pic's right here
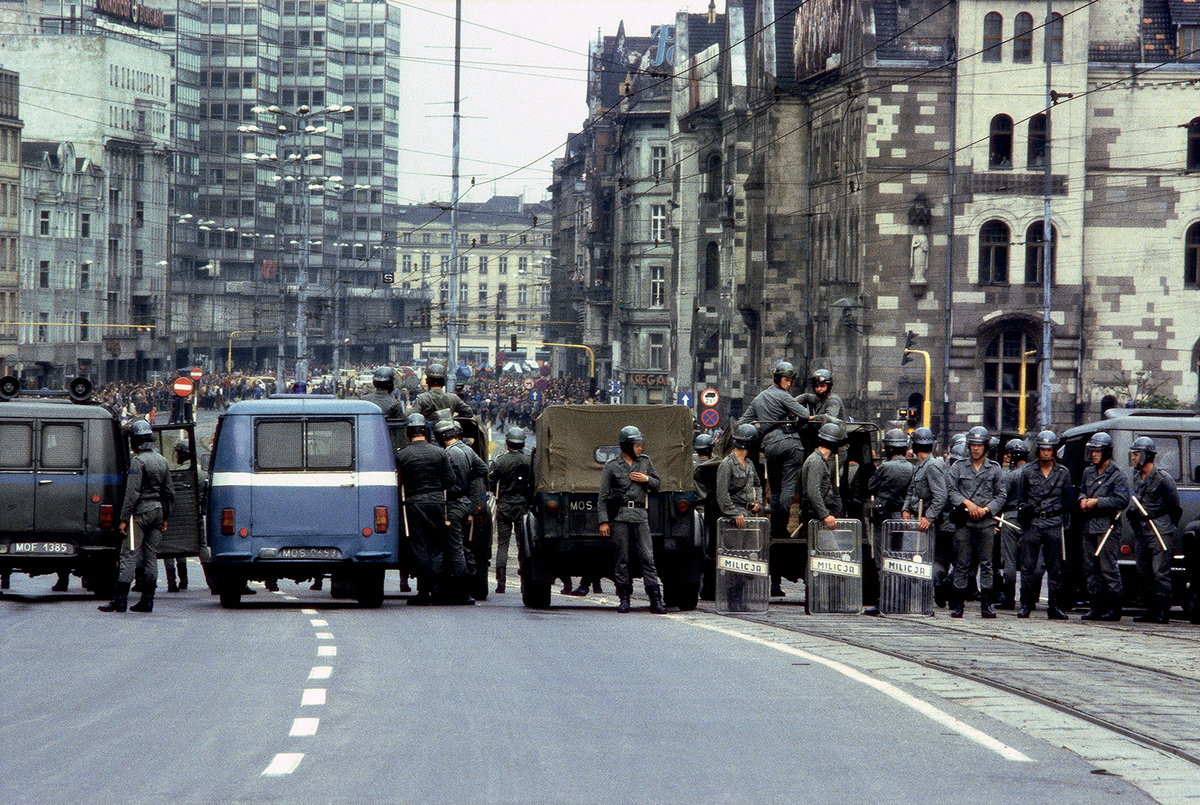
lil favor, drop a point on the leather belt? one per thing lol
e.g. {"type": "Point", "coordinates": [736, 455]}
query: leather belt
{"type": "Point", "coordinates": [633, 504]}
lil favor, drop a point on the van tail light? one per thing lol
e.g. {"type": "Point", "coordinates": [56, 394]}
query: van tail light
{"type": "Point", "coordinates": [682, 505]}
{"type": "Point", "coordinates": [227, 522]}
{"type": "Point", "coordinates": [1126, 550]}
{"type": "Point", "coordinates": [106, 515]}
{"type": "Point", "coordinates": [381, 519]}
{"type": "Point", "coordinates": [552, 506]}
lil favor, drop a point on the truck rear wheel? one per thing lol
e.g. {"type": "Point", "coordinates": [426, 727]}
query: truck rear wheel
{"type": "Point", "coordinates": [368, 588]}
{"type": "Point", "coordinates": [535, 594]}
{"type": "Point", "coordinates": [229, 588]}
{"type": "Point", "coordinates": [682, 594]}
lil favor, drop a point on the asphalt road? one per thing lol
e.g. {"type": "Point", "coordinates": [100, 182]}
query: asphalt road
{"type": "Point", "coordinates": [301, 698]}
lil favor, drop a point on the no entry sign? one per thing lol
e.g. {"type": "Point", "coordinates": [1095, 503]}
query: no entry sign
{"type": "Point", "coordinates": [183, 386]}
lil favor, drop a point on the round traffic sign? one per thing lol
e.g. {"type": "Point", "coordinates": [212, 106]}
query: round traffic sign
{"type": "Point", "coordinates": [196, 373]}
{"type": "Point", "coordinates": [710, 398]}
{"type": "Point", "coordinates": [183, 386]}
{"type": "Point", "coordinates": [541, 383]}
{"type": "Point", "coordinates": [544, 369]}
{"type": "Point", "coordinates": [527, 383]}
{"type": "Point", "coordinates": [709, 418]}
{"type": "Point", "coordinates": [501, 356]}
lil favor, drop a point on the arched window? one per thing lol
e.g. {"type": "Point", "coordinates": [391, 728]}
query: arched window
{"type": "Point", "coordinates": [993, 35]}
{"type": "Point", "coordinates": [1191, 257]}
{"type": "Point", "coordinates": [1054, 38]}
{"type": "Point", "coordinates": [1002, 359]}
{"type": "Point", "coordinates": [1035, 249]}
{"type": "Point", "coordinates": [712, 177]}
{"type": "Point", "coordinates": [1193, 144]}
{"type": "Point", "coordinates": [712, 266]}
{"type": "Point", "coordinates": [1039, 148]}
{"type": "Point", "coordinates": [1023, 38]}
{"type": "Point", "coordinates": [993, 253]}
{"type": "Point", "coordinates": [1000, 140]}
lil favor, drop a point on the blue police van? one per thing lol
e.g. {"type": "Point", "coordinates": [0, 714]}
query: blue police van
{"type": "Point", "coordinates": [303, 486]}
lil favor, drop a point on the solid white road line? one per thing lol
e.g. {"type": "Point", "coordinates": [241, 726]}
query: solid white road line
{"type": "Point", "coordinates": [305, 726]}
{"type": "Point", "coordinates": [922, 707]}
{"type": "Point", "coordinates": [320, 672]}
{"type": "Point", "coordinates": [283, 763]}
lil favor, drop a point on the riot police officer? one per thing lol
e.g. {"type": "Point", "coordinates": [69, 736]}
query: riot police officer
{"type": "Point", "coordinates": [1154, 531]}
{"type": "Point", "coordinates": [435, 403]}
{"type": "Point", "coordinates": [1043, 497]}
{"type": "Point", "coordinates": [924, 503]}
{"type": "Point", "coordinates": [775, 412]}
{"type": "Point", "coordinates": [821, 490]}
{"type": "Point", "coordinates": [144, 514]}
{"type": "Point", "coordinates": [976, 491]}
{"type": "Point", "coordinates": [739, 489]}
{"type": "Point", "coordinates": [511, 479]}
{"type": "Point", "coordinates": [888, 488]}
{"type": "Point", "coordinates": [823, 405]}
{"type": "Point", "coordinates": [425, 475]}
{"type": "Point", "coordinates": [384, 381]}
{"type": "Point", "coordinates": [466, 498]}
{"type": "Point", "coordinates": [1103, 495]}
{"type": "Point", "coordinates": [1004, 555]}
{"type": "Point", "coordinates": [625, 484]}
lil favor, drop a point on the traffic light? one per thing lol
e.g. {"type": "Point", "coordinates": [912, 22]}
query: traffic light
{"type": "Point", "coordinates": [909, 339]}
{"type": "Point", "coordinates": [513, 342]}
{"type": "Point", "coordinates": [916, 402]}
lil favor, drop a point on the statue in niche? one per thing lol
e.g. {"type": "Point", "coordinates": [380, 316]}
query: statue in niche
{"type": "Point", "coordinates": [919, 258]}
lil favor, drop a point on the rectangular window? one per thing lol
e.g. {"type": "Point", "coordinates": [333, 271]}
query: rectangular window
{"type": "Point", "coordinates": [503, 265]}
{"type": "Point", "coordinates": [658, 222]}
{"type": "Point", "coordinates": [1189, 43]}
{"type": "Point", "coordinates": [16, 445]}
{"type": "Point", "coordinates": [85, 225]}
{"type": "Point", "coordinates": [522, 295]}
{"type": "Point", "coordinates": [483, 264]}
{"type": "Point", "coordinates": [44, 222]}
{"type": "Point", "coordinates": [44, 274]}
{"type": "Point", "coordinates": [315, 445]}
{"type": "Point", "coordinates": [406, 264]}
{"type": "Point", "coordinates": [62, 447]}
{"type": "Point", "coordinates": [658, 286]}
{"type": "Point", "coordinates": [85, 276]}
{"type": "Point", "coordinates": [84, 319]}
{"type": "Point", "coordinates": [657, 350]}
{"type": "Point", "coordinates": [658, 162]}
{"type": "Point", "coordinates": [483, 293]}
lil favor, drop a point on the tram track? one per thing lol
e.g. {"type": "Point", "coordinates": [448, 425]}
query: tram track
{"type": "Point", "coordinates": [1090, 681]}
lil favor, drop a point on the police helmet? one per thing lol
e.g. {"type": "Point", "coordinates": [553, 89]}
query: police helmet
{"type": "Point", "coordinates": [1102, 442]}
{"type": "Point", "coordinates": [745, 435]}
{"type": "Point", "coordinates": [141, 434]}
{"type": "Point", "coordinates": [1047, 438]}
{"type": "Point", "coordinates": [1144, 447]}
{"type": "Point", "coordinates": [822, 376]}
{"type": "Point", "coordinates": [978, 435]}
{"type": "Point", "coordinates": [628, 437]}
{"type": "Point", "coordinates": [415, 423]}
{"type": "Point", "coordinates": [784, 369]}
{"type": "Point", "coordinates": [183, 451]}
{"type": "Point", "coordinates": [922, 440]}
{"type": "Point", "coordinates": [384, 378]}
{"type": "Point", "coordinates": [1016, 448]}
{"type": "Point", "coordinates": [959, 438]}
{"type": "Point", "coordinates": [446, 429]}
{"type": "Point", "coordinates": [703, 444]}
{"type": "Point", "coordinates": [435, 373]}
{"type": "Point", "coordinates": [958, 452]}
{"type": "Point", "coordinates": [895, 440]}
{"type": "Point", "coordinates": [830, 435]}
{"type": "Point", "coordinates": [514, 439]}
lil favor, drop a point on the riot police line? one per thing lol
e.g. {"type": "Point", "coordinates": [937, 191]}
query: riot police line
{"type": "Point", "coordinates": [943, 530]}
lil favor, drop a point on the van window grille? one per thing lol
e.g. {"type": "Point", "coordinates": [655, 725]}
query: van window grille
{"type": "Point", "coordinates": [301, 445]}
{"type": "Point", "coordinates": [62, 447]}
{"type": "Point", "coordinates": [16, 445]}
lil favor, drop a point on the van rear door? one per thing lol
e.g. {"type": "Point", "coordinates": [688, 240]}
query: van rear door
{"type": "Point", "coordinates": [305, 479]}
{"type": "Point", "coordinates": [16, 466]}
{"type": "Point", "coordinates": [60, 487]}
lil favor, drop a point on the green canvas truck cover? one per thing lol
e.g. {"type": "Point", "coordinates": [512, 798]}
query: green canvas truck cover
{"type": "Point", "coordinates": [569, 435]}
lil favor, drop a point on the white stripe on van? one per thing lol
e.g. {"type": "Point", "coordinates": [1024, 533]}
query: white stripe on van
{"type": "Point", "coordinates": [306, 479]}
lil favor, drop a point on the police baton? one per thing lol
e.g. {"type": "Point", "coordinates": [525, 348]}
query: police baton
{"type": "Point", "coordinates": [131, 548]}
{"type": "Point", "coordinates": [1146, 514]}
{"type": "Point", "coordinates": [404, 513]}
{"type": "Point", "coordinates": [1000, 519]}
{"type": "Point", "coordinates": [1104, 539]}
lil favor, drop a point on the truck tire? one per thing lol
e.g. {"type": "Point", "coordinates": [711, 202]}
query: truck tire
{"type": "Point", "coordinates": [229, 588]}
{"type": "Point", "coordinates": [479, 585]}
{"type": "Point", "coordinates": [101, 575]}
{"type": "Point", "coordinates": [231, 598]}
{"type": "Point", "coordinates": [534, 594]}
{"type": "Point", "coordinates": [368, 587]}
{"type": "Point", "coordinates": [683, 594]}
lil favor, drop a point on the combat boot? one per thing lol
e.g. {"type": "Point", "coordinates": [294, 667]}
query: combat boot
{"type": "Point", "coordinates": [1096, 608]}
{"type": "Point", "coordinates": [582, 589]}
{"type": "Point", "coordinates": [120, 599]}
{"type": "Point", "coordinates": [183, 580]}
{"type": "Point", "coordinates": [956, 602]}
{"type": "Point", "coordinates": [1053, 612]}
{"type": "Point", "coordinates": [501, 577]}
{"type": "Point", "coordinates": [596, 588]}
{"type": "Point", "coordinates": [1009, 600]}
{"type": "Point", "coordinates": [656, 601]}
{"type": "Point", "coordinates": [1164, 609]}
{"type": "Point", "coordinates": [776, 587]}
{"type": "Point", "coordinates": [1023, 612]}
{"type": "Point", "coordinates": [1113, 613]}
{"type": "Point", "coordinates": [623, 596]}
{"type": "Point", "coordinates": [1151, 613]}
{"type": "Point", "coordinates": [146, 604]}
{"type": "Point", "coordinates": [985, 604]}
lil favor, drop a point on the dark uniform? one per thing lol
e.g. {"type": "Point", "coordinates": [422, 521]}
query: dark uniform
{"type": "Point", "coordinates": [1159, 497]}
{"type": "Point", "coordinates": [148, 498]}
{"type": "Point", "coordinates": [984, 487]}
{"type": "Point", "coordinates": [888, 488]}
{"type": "Point", "coordinates": [437, 404]}
{"type": "Point", "coordinates": [511, 476]}
{"type": "Point", "coordinates": [781, 448]}
{"type": "Point", "coordinates": [821, 491]}
{"type": "Point", "coordinates": [1111, 489]}
{"type": "Point", "coordinates": [466, 495]}
{"type": "Point", "coordinates": [624, 505]}
{"type": "Point", "coordinates": [387, 403]}
{"type": "Point", "coordinates": [1006, 557]}
{"type": "Point", "coordinates": [1042, 501]}
{"type": "Point", "coordinates": [738, 487]}
{"type": "Point", "coordinates": [425, 475]}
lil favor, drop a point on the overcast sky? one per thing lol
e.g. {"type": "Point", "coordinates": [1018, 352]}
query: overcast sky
{"type": "Point", "coordinates": [524, 67]}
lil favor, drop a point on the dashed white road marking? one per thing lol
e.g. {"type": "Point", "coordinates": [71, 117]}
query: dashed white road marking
{"type": "Point", "coordinates": [320, 672]}
{"type": "Point", "coordinates": [922, 707]}
{"type": "Point", "coordinates": [290, 598]}
{"type": "Point", "coordinates": [319, 622]}
{"type": "Point", "coordinates": [326, 651]}
{"type": "Point", "coordinates": [283, 763]}
{"type": "Point", "coordinates": [304, 726]}
{"type": "Point", "coordinates": [308, 612]}
{"type": "Point", "coordinates": [324, 635]}
{"type": "Point", "coordinates": [312, 696]}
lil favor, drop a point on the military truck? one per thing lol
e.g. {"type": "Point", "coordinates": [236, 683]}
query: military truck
{"type": "Point", "coordinates": [1176, 436]}
{"type": "Point", "coordinates": [561, 534]}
